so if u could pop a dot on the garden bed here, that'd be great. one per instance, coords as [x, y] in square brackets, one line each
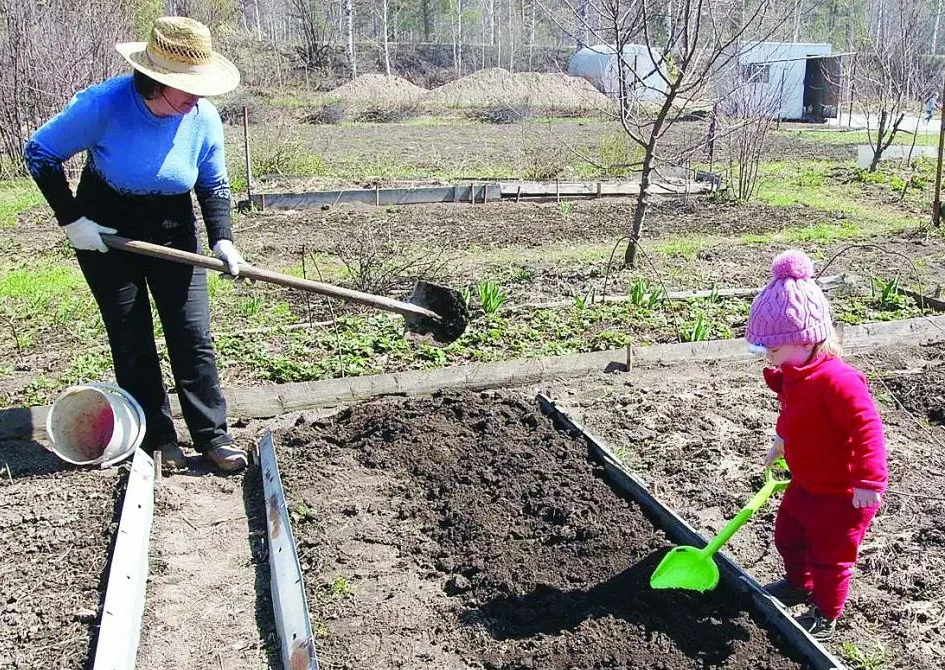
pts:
[465, 531]
[56, 528]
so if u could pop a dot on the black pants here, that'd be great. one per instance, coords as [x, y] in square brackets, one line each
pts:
[120, 282]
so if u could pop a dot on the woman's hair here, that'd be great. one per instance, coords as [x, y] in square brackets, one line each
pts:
[829, 347]
[148, 88]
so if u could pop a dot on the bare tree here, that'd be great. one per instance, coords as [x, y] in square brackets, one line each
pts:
[673, 67]
[48, 51]
[349, 42]
[318, 30]
[890, 71]
[743, 121]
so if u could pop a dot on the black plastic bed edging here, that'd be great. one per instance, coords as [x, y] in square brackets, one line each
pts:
[733, 576]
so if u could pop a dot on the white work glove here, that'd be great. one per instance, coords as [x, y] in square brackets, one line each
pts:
[85, 234]
[864, 498]
[226, 251]
[775, 452]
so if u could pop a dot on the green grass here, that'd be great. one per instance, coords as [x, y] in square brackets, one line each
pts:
[822, 233]
[854, 137]
[809, 183]
[682, 247]
[16, 197]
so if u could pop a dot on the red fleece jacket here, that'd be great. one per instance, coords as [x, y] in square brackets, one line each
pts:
[832, 432]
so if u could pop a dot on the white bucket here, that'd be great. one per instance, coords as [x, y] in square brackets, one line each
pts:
[95, 424]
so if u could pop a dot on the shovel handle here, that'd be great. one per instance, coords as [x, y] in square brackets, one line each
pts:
[253, 272]
[772, 484]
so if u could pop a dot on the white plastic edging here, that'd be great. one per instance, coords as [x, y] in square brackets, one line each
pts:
[122, 612]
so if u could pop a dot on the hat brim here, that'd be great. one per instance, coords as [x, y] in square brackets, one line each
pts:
[219, 77]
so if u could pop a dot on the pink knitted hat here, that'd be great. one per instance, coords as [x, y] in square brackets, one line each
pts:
[791, 309]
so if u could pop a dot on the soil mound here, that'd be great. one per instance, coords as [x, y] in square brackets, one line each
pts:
[378, 88]
[496, 86]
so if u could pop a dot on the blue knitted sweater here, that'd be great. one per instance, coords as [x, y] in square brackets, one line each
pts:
[137, 164]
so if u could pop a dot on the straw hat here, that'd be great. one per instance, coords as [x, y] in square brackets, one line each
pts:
[179, 54]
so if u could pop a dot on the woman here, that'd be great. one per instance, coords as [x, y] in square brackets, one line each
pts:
[151, 139]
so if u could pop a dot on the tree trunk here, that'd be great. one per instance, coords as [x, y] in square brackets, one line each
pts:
[639, 212]
[938, 20]
[582, 25]
[878, 147]
[425, 10]
[459, 36]
[798, 11]
[384, 27]
[349, 45]
[492, 22]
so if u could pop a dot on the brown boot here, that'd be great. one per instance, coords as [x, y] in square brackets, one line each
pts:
[228, 457]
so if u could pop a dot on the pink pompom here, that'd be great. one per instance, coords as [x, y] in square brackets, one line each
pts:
[792, 264]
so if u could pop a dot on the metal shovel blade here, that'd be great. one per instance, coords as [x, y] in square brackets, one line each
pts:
[686, 568]
[448, 304]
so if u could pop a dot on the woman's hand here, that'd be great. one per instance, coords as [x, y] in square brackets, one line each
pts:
[864, 498]
[85, 234]
[226, 251]
[775, 452]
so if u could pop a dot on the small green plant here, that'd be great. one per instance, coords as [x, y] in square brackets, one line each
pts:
[520, 273]
[340, 587]
[714, 296]
[873, 659]
[584, 301]
[886, 295]
[302, 512]
[643, 295]
[564, 209]
[250, 305]
[695, 331]
[491, 296]
[466, 295]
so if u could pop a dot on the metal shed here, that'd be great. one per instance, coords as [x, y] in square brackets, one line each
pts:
[599, 65]
[794, 81]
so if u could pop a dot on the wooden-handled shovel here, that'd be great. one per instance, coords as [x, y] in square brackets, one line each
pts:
[431, 309]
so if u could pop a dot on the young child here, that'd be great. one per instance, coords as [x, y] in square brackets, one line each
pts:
[831, 436]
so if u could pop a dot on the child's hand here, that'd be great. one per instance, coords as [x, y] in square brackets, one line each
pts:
[775, 452]
[864, 498]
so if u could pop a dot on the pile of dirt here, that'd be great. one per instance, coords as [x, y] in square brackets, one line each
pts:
[464, 531]
[496, 86]
[56, 525]
[378, 89]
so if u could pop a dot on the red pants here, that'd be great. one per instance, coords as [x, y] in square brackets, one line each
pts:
[819, 536]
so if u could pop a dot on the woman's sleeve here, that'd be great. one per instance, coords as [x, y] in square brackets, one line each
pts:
[213, 184]
[76, 128]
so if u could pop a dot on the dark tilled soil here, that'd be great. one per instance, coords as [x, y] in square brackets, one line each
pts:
[56, 527]
[698, 434]
[922, 390]
[464, 531]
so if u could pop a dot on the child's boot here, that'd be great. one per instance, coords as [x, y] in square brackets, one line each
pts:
[788, 594]
[814, 622]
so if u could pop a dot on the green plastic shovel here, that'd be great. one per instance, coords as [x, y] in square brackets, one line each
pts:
[695, 569]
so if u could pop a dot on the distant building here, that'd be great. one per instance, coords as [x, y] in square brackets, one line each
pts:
[796, 82]
[600, 66]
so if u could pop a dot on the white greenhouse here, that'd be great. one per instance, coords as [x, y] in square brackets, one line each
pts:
[600, 66]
